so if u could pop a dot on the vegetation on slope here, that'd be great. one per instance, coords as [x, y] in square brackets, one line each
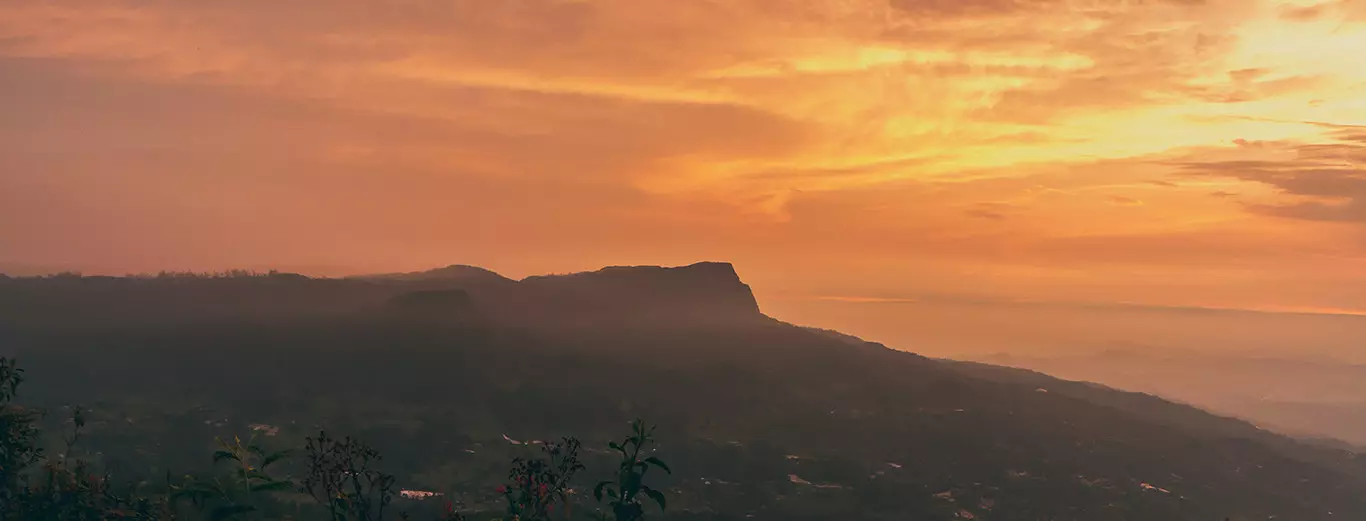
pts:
[341, 476]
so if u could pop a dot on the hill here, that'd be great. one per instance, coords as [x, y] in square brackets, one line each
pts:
[761, 419]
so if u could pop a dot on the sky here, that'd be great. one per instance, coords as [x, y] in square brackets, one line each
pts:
[1171, 153]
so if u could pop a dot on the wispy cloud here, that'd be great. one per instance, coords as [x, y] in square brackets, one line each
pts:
[1326, 180]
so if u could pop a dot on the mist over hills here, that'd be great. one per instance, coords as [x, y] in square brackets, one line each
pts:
[761, 419]
[1304, 397]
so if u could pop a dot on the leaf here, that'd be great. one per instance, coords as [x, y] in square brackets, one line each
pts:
[656, 462]
[655, 495]
[198, 489]
[630, 483]
[597, 491]
[221, 455]
[194, 496]
[273, 486]
[617, 446]
[228, 511]
[276, 457]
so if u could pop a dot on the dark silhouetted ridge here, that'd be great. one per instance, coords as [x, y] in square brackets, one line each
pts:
[698, 294]
[454, 272]
[703, 292]
[73, 300]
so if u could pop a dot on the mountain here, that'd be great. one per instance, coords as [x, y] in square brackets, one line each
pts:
[175, 298]
[446, 305]
[702, 292]
[707, 292]
[760, 419]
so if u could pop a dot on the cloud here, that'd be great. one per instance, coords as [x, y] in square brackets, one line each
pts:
[1304, 13]
[811, 64]
[1328, 179]
[1120, 200]
[996, 211]
[1004, 7]
[985, 214]
[1248, 75]
[1243, 143]
[971, 7]
[1350, 211]
[1352, 135]
[1354, 9]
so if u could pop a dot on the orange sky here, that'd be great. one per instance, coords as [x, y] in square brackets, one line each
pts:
[1167, 152]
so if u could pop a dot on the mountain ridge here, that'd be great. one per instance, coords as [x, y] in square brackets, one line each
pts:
[706, 291]
[737, 391]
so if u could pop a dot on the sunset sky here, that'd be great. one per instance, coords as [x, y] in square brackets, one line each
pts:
[1186, 153]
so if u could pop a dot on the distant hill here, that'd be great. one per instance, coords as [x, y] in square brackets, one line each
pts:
[454, 272]
[760, 419]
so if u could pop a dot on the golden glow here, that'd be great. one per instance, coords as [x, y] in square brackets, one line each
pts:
[1002, 148]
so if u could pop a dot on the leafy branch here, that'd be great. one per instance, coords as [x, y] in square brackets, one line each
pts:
[239, 492]
[341, 476]
[538, 484]
[624, 493]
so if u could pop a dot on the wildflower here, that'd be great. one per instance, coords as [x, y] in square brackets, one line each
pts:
[502, 489]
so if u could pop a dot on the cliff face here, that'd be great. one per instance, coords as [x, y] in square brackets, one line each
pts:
[709, 292]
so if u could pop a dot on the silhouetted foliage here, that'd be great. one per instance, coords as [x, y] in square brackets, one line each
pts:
[62, 489]
[341, 475]
[19, 449]
[243, 490]
[623, 493]
[536, 485]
